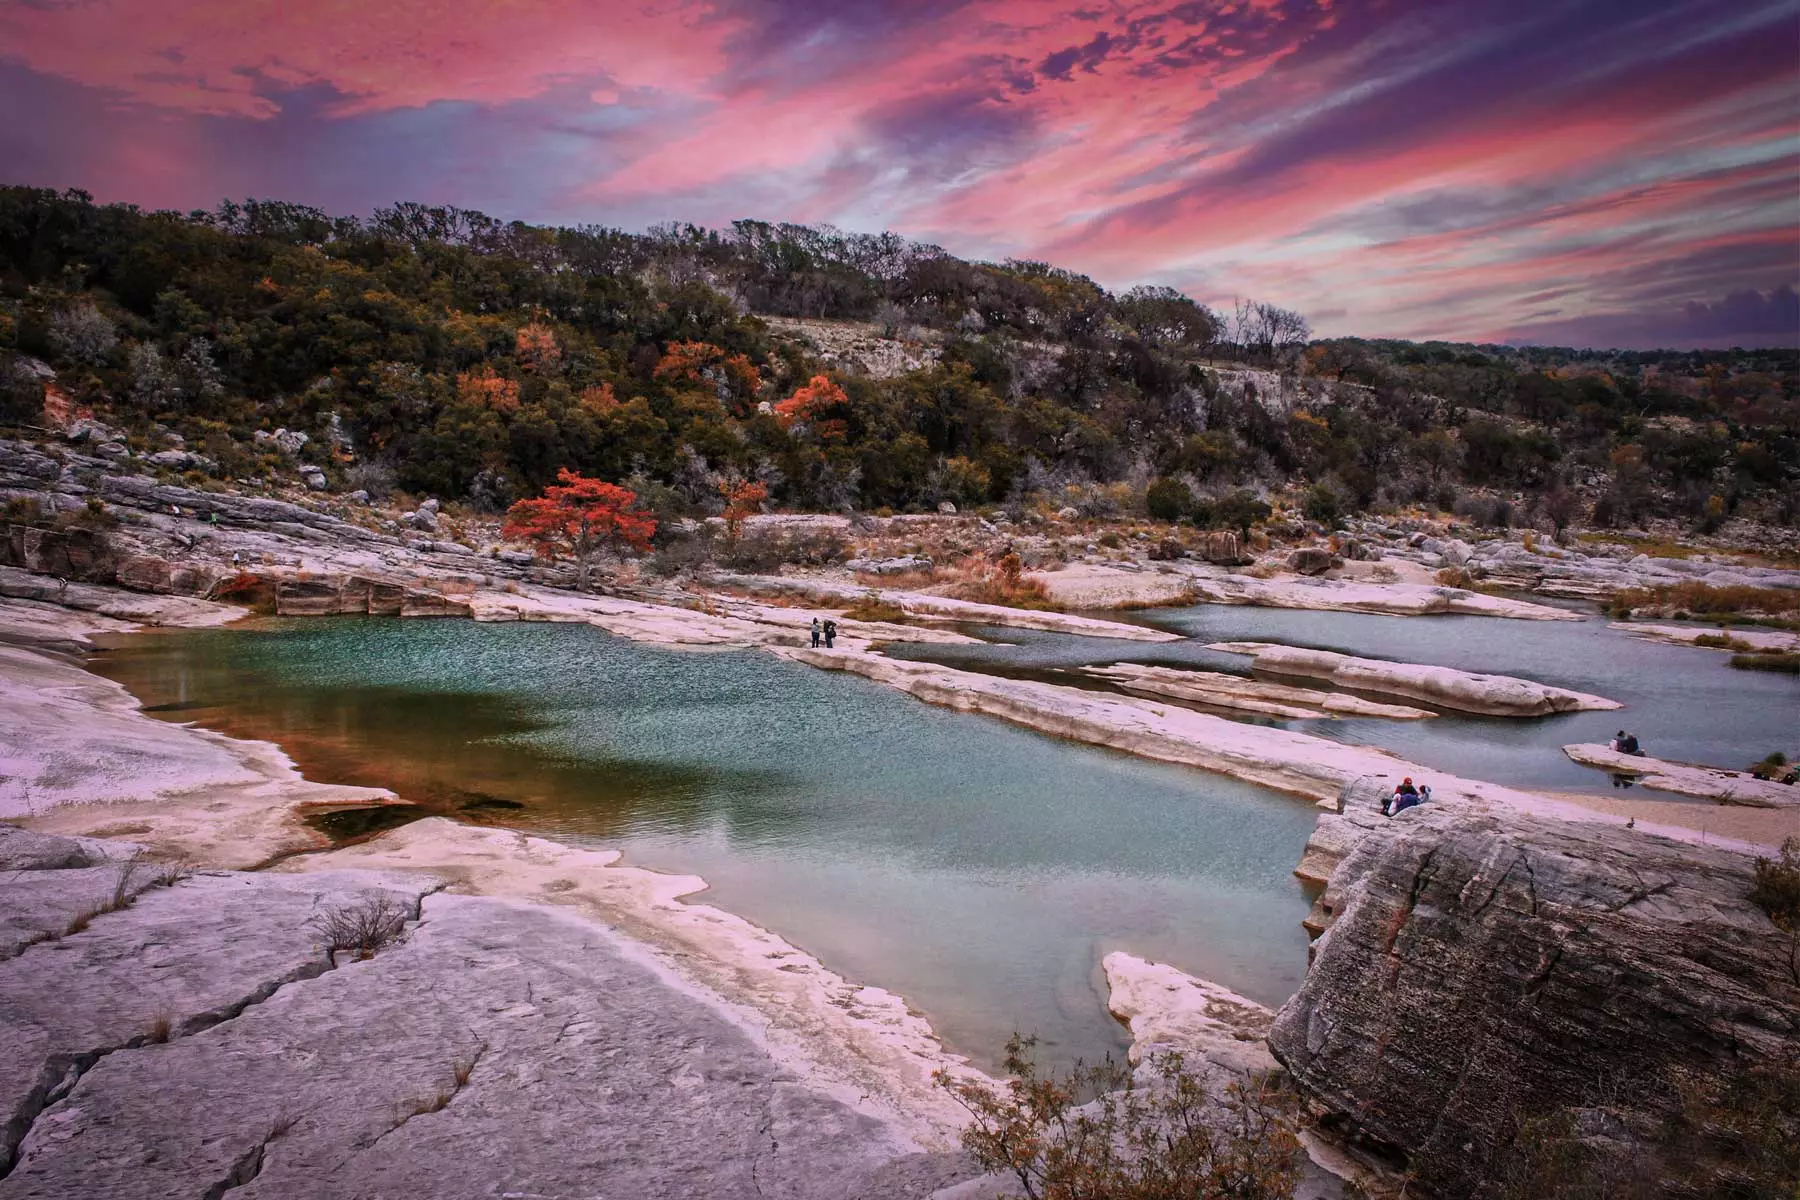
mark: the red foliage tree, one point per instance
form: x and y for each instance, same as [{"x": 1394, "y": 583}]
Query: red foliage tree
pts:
[
  {"x": 808, "y": 401},
  {"x": 580, "y": 518},
  {"x": 741, "y": 500}
]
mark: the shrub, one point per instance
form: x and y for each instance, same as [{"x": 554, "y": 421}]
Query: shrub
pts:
[
  {"x": 363, "y": 927},
  {"x": 1097, "y": 1133},
  {"x": 1777, "y": 888},
  {"x": 1703, "y": 599},
  {"x": 1168, "y": 499},
  {"x": 765, "y": 549},
  {"x": 1002, "y": 583},
  {"x": 1323, "y": 505},
  {"x": 1788, "y": 664}
]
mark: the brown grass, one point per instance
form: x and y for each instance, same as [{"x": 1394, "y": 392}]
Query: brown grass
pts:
[
  {"x": 873, "y": 608},
  {"x": 1705, "y": 600}
]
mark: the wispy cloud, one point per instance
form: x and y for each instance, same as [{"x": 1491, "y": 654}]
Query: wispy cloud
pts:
[{"x": 1583, "y": 169}]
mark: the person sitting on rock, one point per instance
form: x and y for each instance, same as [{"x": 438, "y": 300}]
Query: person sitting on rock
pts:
[
  {"x": 817, "y": 630},
  {"x": 1617, "y": 745},
  {"x": 1404, "y": 797},
  {"x": 1630, "y": 744},
  {"x": 830, "y": 632}
]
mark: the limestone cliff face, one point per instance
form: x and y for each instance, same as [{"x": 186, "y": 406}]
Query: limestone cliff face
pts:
[{"x": 1479, "y": 969}]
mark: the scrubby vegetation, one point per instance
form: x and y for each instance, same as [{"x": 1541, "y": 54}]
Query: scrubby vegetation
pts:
[
  {"x": 439, "y": 351},
  {"x": 1099, "y": 1133}
]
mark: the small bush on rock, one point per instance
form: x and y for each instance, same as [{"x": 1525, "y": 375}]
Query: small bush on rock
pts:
[
  {"x": 361, "y": 928},
  {"x": 1777, "y": 890},
  {"x": 1099, "y": 1133}
]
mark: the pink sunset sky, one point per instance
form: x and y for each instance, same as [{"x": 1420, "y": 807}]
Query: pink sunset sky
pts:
[{"x": 1606, "y": 172}]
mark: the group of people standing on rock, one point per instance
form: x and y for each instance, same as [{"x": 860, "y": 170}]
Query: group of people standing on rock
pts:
[{"x": 826, "y": 629}]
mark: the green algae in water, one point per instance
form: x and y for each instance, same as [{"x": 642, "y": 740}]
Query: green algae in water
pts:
[{"x": 979, "y": 870}]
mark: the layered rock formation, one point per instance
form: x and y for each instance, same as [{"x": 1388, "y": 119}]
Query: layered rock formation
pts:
[
  {"x": 943, "y": 608},
  {"x": 1220, "y": 690},
  {"x": 1465, "y": 691},
  {"x": 1709, "y": 783},
  {"x": 1395, "y": 599},
  {"x": 1483, "y": 969}
]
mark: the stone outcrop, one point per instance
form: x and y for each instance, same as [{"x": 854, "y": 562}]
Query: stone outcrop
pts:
[
  {"x": 1688, "y": 779},
  {"x": 1393, "y": 599},
  {"x": 1311, "y": 560},
  {"x": 1761, "y": 641},
  {"x": 1219, "y": 690},
  {"x": 1465, "y": 691},
  {"x": 203, "y": 1040},
  {"x": 1220, "y": 1033},
  {"x": 924, "y": 606},
  {"x": 1482, "y": 969}
]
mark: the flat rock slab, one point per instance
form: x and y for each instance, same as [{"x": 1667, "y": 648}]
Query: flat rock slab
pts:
[
  {"x": 1465, "y": 691},
  {"x": 1689, "y": 779},
  {"x": 177, "y": 960},
  {"x": 1219, "y": 690},
  {"x": 499, "y": 1049}
]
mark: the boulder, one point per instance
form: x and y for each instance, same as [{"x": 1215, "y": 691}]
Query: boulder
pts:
[
  {"x": 71, "y": 553},
  {"x": 1220, "y": 547},
  {"x": 1311, "y": 560},
  {"x": 183, "y": 460},
  {"x": 315, "y": 480},
  {"x": 889, "y": 566},
  {"x": 1482, "y": 969},
  {"x": 946, "y": 508},
  {"x": 1067, "y": 514}
]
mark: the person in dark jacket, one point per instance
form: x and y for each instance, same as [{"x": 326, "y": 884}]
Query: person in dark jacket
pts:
[{"x": 830, "y": 632}]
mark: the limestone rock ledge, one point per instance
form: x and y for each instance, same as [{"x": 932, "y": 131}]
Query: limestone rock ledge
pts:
[
  {"x": 1465, "y": 691},
  {"x": 201, "y": 1041},
  {"x": 1687, "y": 779},
  {"x": 1483, "y": 967}
]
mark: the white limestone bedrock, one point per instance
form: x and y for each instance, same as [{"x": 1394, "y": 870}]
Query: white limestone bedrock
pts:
[
  {"x": 865, "y": 1036},
  {"x": 71, "y": 742},
  {"x": 1166, "y": 1009},
  {"x": 1690, "y": 779},
  {"x": 1759, "y": 641},
  {"x": 924, "y": 606},
  {"x": 1466, "y": 691},
  {"x": 1248, "y": 695},
  {"x": 1298, "y": 763},
  {"x": 1332, "y": 595}
]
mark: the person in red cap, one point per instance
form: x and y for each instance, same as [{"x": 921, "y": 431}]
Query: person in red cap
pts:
[{"x": 1404, "y": 797}]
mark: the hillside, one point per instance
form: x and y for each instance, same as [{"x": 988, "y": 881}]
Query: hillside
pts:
[{"x": 443, "y": 353}]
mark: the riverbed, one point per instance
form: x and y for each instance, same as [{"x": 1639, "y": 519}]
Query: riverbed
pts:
[
  {"x": 1684, "y": 703},
  {"x": 979, "y": 870}
]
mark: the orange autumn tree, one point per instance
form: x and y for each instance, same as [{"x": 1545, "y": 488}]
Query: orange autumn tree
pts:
[
  {"x": 808, "y": 401},
  {"x": 580, "y": 518},
  {"x": 741, "y": 500}
]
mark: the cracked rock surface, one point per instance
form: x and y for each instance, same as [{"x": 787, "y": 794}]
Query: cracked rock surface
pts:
[
  {"x": 200, "y": 1042},
  {"x": 1479, "y": 966}
]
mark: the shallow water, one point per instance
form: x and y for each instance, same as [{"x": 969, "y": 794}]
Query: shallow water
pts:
[
  {"x": 977, "y": 869},
  {"x": 1682, "y": 702}
]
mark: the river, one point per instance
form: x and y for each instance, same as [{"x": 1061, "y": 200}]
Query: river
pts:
[{"x": 977, "y": 869}]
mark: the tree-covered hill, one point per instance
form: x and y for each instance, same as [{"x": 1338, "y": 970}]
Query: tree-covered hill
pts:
[{"x": 457, "y": 355}]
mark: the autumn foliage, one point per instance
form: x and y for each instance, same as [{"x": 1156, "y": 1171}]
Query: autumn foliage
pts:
[
  {"x": 742, "y": 500},
  {"x": 703, "y": 362},
  {"x": 580, "y": 518},
  {"x": 486, "y": 388},
  {"x": 809, "y": 401}
]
